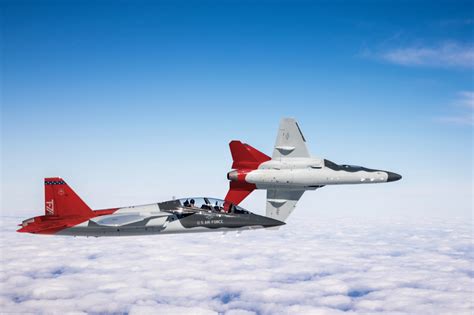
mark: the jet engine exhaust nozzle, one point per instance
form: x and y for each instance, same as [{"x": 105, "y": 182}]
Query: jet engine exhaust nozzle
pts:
[{"x": 233, "y": 175}]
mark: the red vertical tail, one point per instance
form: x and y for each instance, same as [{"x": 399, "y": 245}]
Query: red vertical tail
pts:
[
  {"x": 238, "y": 191},
  {"x": 61, "y": 200},
  {"x": 245, "y": 158}
]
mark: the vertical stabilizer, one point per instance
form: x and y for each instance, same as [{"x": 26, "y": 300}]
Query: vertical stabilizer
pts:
[
  {"x": 238, "y": 191},
  {"x": 61, "y": 200},
  {"x": 245, "y": 158}
]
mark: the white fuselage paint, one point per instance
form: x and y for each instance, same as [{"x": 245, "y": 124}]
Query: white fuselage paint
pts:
[{"x": 308, "y": 174}]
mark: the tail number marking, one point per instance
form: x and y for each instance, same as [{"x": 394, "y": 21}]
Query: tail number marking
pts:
[{"x": 50, "y": 207}]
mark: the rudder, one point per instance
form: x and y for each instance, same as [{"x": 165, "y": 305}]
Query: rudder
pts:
[{"x": 61, "y": 200}]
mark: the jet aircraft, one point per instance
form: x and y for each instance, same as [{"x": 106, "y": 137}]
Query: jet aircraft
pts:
[
  {"x": 290, "y": 172},
  {"x": 67, "y": 214}
]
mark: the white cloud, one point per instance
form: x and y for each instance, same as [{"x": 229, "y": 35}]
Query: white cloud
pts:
[
  {"x": 311, "y": 266},
  {"x": 464, "y": 110},
  {"x": 444, "y": 55}
]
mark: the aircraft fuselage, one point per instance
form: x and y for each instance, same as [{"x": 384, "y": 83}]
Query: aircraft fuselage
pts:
[
  {"x": 290, "y": 171},
  {"x": 67, "y": 214},
  {"x": 309, "y": 174}
]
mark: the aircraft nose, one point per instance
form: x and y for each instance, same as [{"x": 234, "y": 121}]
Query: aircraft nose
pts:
[
  {"x": 392, "y": 177},
  {"x": 267, "y": 221},
  {"x": 274, "y": 222}
]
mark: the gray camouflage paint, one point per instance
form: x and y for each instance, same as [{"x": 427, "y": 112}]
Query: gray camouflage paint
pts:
[{"x": 172, "y": 218}]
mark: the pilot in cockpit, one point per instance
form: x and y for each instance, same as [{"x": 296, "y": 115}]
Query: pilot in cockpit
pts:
[
  {"x": 216, "y": 206},
  {"x": 192, "y": 203},
  {"x": 186, "y": 203}
]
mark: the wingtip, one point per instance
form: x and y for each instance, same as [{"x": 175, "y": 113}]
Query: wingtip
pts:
[{"x": 292, "y": 119}]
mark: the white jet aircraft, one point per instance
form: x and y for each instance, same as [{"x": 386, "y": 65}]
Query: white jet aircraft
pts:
[{"x": 290, "y": 172}]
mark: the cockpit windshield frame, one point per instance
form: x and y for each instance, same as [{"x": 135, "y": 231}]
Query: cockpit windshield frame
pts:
[
  {"x": 210, "y": 204},
  {"x": 346, "y": 167}
]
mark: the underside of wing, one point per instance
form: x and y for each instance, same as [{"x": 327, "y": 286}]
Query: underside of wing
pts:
[
  {"x": 290, "y": 142},
  {"x": 114, "y": 220},
  {"x": 280, "y": 203}
]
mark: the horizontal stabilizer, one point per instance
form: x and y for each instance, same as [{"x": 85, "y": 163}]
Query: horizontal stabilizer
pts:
[
  {"x": 245, "y": 156},
  {"x": 238, "y": 191}
]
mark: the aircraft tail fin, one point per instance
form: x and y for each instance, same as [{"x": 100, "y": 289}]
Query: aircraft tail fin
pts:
[
  {"x": 290, "y": 142},
  {"x": 238, "y": 191},
  {"x": 61, "y": 200},
  {"x": 245, "y": 156}
]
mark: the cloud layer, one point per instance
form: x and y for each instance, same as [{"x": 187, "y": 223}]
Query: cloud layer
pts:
[{"x": 307, "y": 267}]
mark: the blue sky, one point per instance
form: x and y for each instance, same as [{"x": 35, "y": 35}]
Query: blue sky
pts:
[{"x": 135, "y": 102}]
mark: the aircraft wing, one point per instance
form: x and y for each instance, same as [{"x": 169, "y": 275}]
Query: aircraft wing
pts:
[
  {"x": 280, "y": 203},
  {"x": 123, "y": 219},
  {"x": 290, "y": 142}
]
